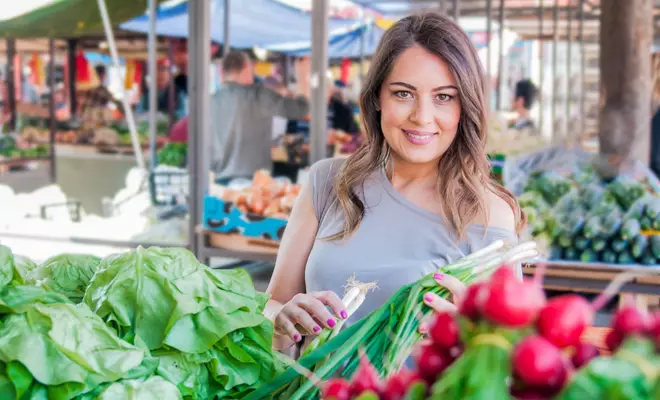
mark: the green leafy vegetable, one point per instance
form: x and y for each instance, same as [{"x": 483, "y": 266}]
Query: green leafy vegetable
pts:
[
  {"x": 154, "y": 388},
  {"x": 68, "y": 274}
]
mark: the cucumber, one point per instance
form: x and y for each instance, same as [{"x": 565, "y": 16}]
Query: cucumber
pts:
[
  {"x": 611, "y": 225},
  {"x": 656, "y": 224},
  {"x": 655, "y": 245},
  {"x": 619, "y": 245},
  {"x": 625, "y": 258},
  {"x": 648, "y": 259},
  {"x": 556, "y": 253},
  {"x": 646, "y": 223},
  {"x": 608, "y": 256},
  {"x": 571, "y": 254},
  {"x": 588, "y": 256},
  {"x": 653, "y": 208},
  {"x": 598, "y": 244},
  {"x": 630, "y": 229},
  {"x": 582, "y": 243},
  {"x": 639, "y": 246},
  {"x": 565, "y": 240}
]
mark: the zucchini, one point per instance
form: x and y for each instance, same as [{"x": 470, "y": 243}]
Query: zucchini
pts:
[
  {"x": 619, "y": 245},
  {"x": 630, "y": 229},
  {"x": 646, "y": 223},
  {"x": 653, "y": 208},
  {"x": 571, "y": 254},
  {"x": 592, "y": 227},
  {"x": 655, "y": 245},
  {"x": 639, "y": 246},
  {"x": 611, "y": 224},
  {"x": 648, "y": 259},
  {"x": 656, "y": 223},
  {"x": 608, "y": 257},
  {"x": 625, "y": 258},
  {"x": 556, "y": 253},
  {"x": 582, "y": 243},
  {"x": 588, "y": 256},
  {"x": 565, "y": 240},
  {"x": 598, "y": 244}
]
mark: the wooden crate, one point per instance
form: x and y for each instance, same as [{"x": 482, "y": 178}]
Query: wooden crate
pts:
[{"x": 242, "y": 243}]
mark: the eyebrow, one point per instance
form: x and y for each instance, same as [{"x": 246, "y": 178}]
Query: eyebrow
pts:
[{"x": 411, "y": 87}]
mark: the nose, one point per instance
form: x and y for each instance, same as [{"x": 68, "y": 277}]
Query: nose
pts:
[{"x": 422, "y": 114}]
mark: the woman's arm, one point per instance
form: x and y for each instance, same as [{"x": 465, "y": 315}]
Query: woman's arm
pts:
[{"x": 289, "y": 275}]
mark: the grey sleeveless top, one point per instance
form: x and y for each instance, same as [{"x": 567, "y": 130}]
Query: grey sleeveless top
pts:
[{"x": 397, "y": 242}]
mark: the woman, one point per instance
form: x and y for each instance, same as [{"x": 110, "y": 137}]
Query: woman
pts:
[{"x": 416, "y": 196}]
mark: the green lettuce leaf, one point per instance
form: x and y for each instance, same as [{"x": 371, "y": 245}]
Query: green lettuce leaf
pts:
[
  {"x": 68, "y": 274},
  {"x": 23, "y": 266},
  {"x": 64, "y": 347},
  {"x": 18, "y": 299},
  {"x": 154, "y": 388},
  {"x": 6, "y": 266}
]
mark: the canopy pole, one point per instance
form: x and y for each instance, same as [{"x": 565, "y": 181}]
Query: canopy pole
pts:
[
  {"x": 199, "y": 25},
  {"x": 11, "y": 83},
  {"x": 319, "y": 86},
  {"x": 555, "y": 32},
  {"x": 171, "y": 106},
  {"x": 457, "y": 9},
  {"x": 569, "y": 135},
  {"x": 226, "y": 34},
  {"x": 489, "y": 32},
  {"x": 582, "y": 71},
  {"x": 127, "y": 106},
  {"x": 362, "y": 51},
  {"x": 442, "y": 5},
  {"x": 153, "y": 80},
  {"x": 71, "y": 60},
  {"x": 51, "y": 108},
  {"x": 541, "y": 67},
  {"x": 500, "y": 61}
]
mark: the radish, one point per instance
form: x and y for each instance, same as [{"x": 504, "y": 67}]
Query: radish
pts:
[
  {"x": 539, "y": 363},
  {"x": 563, "y": 320},
  {"x": 468, "y": 306},
  {"x": 510, "y": 301},
  {"x": 398, "y": 384},
  {"x": 365, "y": 378},
  {"x": 528, "y": 394},
  {"x": 613, "y": 340},
  {"x": 431, "y": 362},
  {"x": 337, "y": 389},
  {"x": 584, "y": 352},
  {"x": 630, "y": 321},
  {"x": 445, "y": 331}
]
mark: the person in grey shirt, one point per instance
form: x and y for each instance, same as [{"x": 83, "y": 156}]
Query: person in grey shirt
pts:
[{"x": 242, "y": 114}]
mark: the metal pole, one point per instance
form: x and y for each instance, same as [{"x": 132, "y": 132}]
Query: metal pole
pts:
[
  {"x": 489, "y": 31},
  {"x": 171, "y": 106},
  {"x": 362, "y": 51},
  {"x": 153, "y": 90},
  {"x": 555, "y": 31},
  {"x": 199, "y": 27},
  {"x": 11, "y": 83},
  {"x": 107, "y": 25},
  {"x": 319, "y": 86},
  {"x": 500, "y": 61},
  {"x": 226, "y": 34},
  {"x": 457, "y": 9},
  {"x": 442, "y": 5},
  {"x": 51, "y": 107},
  {"x": 541, "y": 67},
  {"x": 569, "y": 90},
  {"x": 71, "y": 57},
  {"x": 286, "y": 69},
  {"x": 582, "y": 70}
]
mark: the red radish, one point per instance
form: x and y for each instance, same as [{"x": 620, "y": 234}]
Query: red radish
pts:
[
  {"x": 613, "y": 340},
  {"x": 510, "y": 301},
  {"x": 445, "y": 331},
  {"x": 528, "y": 394},
  {"x": 456, "y": 351},
  {"x": 538, "y": 363},
  {"x": 365, "y": 378},
  {"x": 431, "y": 362},
  {"x": 337, "y": 389},
  {"x": 563, "y": 320},
  {"x": 398, "y": 384},
  {"x": 584, "y": 352},
  {"x": 630, "y": 321},
  {"x": 468, "y": 306}
]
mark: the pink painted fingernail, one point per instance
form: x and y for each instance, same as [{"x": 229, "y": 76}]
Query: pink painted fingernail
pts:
[
  {"x": 331, "y": 323},
  {"x": 423, "y": 327},
  {"x": 297, "y": 337},
  {"x": 343, "y": 314},
  {"x": 438, "y": 277},
  {"x": 316, "y": 329},
  {"x": 428, "y": 297}
]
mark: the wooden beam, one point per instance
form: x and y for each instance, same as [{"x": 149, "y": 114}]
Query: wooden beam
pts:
[{"x": 625, "y": 71}]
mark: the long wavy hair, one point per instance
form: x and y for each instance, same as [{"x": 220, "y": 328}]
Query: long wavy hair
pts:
[{"x": 466, "y": 176}]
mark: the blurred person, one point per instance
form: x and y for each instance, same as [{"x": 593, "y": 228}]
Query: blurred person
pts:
[
  {"x": 523, "y": 100},
  {"x": 242, "y": 116},
  {"x": 93, "y": 101},
  {"x": 340, "y": 112},
  {"x": 163, "y": 78}
]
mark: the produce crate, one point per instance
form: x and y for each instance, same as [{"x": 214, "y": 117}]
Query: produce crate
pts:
[
  {"x": 74, "y": 207},
  {"x": 169, "y": 187},
  {"x": 224, "y": 217}
]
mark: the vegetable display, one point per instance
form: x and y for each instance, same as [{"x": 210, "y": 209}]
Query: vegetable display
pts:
[
  {"x": 173, "y": 154},
  {"x": 585, "y": 219},
  {"x": 508, "y": 342},
  {"x": 153, "y": 323}
]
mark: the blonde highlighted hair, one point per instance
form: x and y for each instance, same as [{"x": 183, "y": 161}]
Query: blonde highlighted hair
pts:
[{"x": 466, "y": 176}]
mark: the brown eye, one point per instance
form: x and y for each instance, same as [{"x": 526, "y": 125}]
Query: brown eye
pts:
[
  {"x": 403, "y": 94},
  {"x": 444, "y": 97}
]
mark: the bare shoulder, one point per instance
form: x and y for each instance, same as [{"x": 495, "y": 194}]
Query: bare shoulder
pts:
[{"x": 500, "y": 212}]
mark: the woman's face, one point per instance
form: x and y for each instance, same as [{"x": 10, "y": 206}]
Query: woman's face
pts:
[{"x": 420, "y": 108}]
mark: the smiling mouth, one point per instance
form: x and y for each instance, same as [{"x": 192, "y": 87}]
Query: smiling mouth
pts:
[{"x": 419, "y": 135}]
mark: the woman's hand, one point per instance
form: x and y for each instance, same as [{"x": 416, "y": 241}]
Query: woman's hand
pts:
[
  {"x": 306, "y": 314},
  {"x": 437, "y": 303}
]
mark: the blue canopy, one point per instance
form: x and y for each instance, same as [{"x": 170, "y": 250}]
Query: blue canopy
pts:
[
  {"x": 252, "y": 23},
  {"x": 343, "y": 45}
]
